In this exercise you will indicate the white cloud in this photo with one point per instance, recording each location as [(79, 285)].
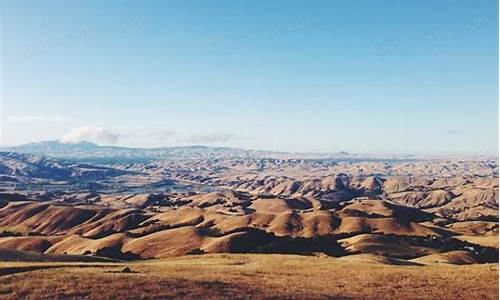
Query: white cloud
[(210, 138), (97, 135), (34, 119), (144, 137), (454, 132)]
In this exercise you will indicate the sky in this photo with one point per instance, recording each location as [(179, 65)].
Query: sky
[(399, 77)]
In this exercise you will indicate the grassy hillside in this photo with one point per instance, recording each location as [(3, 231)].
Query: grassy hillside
[(242, 276)]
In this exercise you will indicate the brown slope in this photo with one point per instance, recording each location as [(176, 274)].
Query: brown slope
[(57, 218), (452, 257), (30, 243), (29, 256), (383, 245)]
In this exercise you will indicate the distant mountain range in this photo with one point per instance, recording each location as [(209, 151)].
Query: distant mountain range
[(29, 168), (90, 152)]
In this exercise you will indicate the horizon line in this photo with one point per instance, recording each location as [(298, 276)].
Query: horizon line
[(348, 154)]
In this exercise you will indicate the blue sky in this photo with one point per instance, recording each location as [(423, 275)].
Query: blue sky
[(416, 77)]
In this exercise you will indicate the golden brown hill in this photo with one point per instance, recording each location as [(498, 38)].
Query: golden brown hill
[(452, 257), (247, 276), (59, 218), (226, 221), (10, 255), (383, 246)]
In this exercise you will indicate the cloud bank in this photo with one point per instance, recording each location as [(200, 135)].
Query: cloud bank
[(454, 132), (210, 138), (97, 135), (144, 137), (34, 119)]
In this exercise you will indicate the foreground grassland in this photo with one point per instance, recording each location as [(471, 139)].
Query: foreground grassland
[(240, 276)]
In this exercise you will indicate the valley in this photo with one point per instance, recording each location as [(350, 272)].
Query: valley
[(407, 215)]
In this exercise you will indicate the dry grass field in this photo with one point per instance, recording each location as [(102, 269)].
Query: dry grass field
[(242, 276)]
